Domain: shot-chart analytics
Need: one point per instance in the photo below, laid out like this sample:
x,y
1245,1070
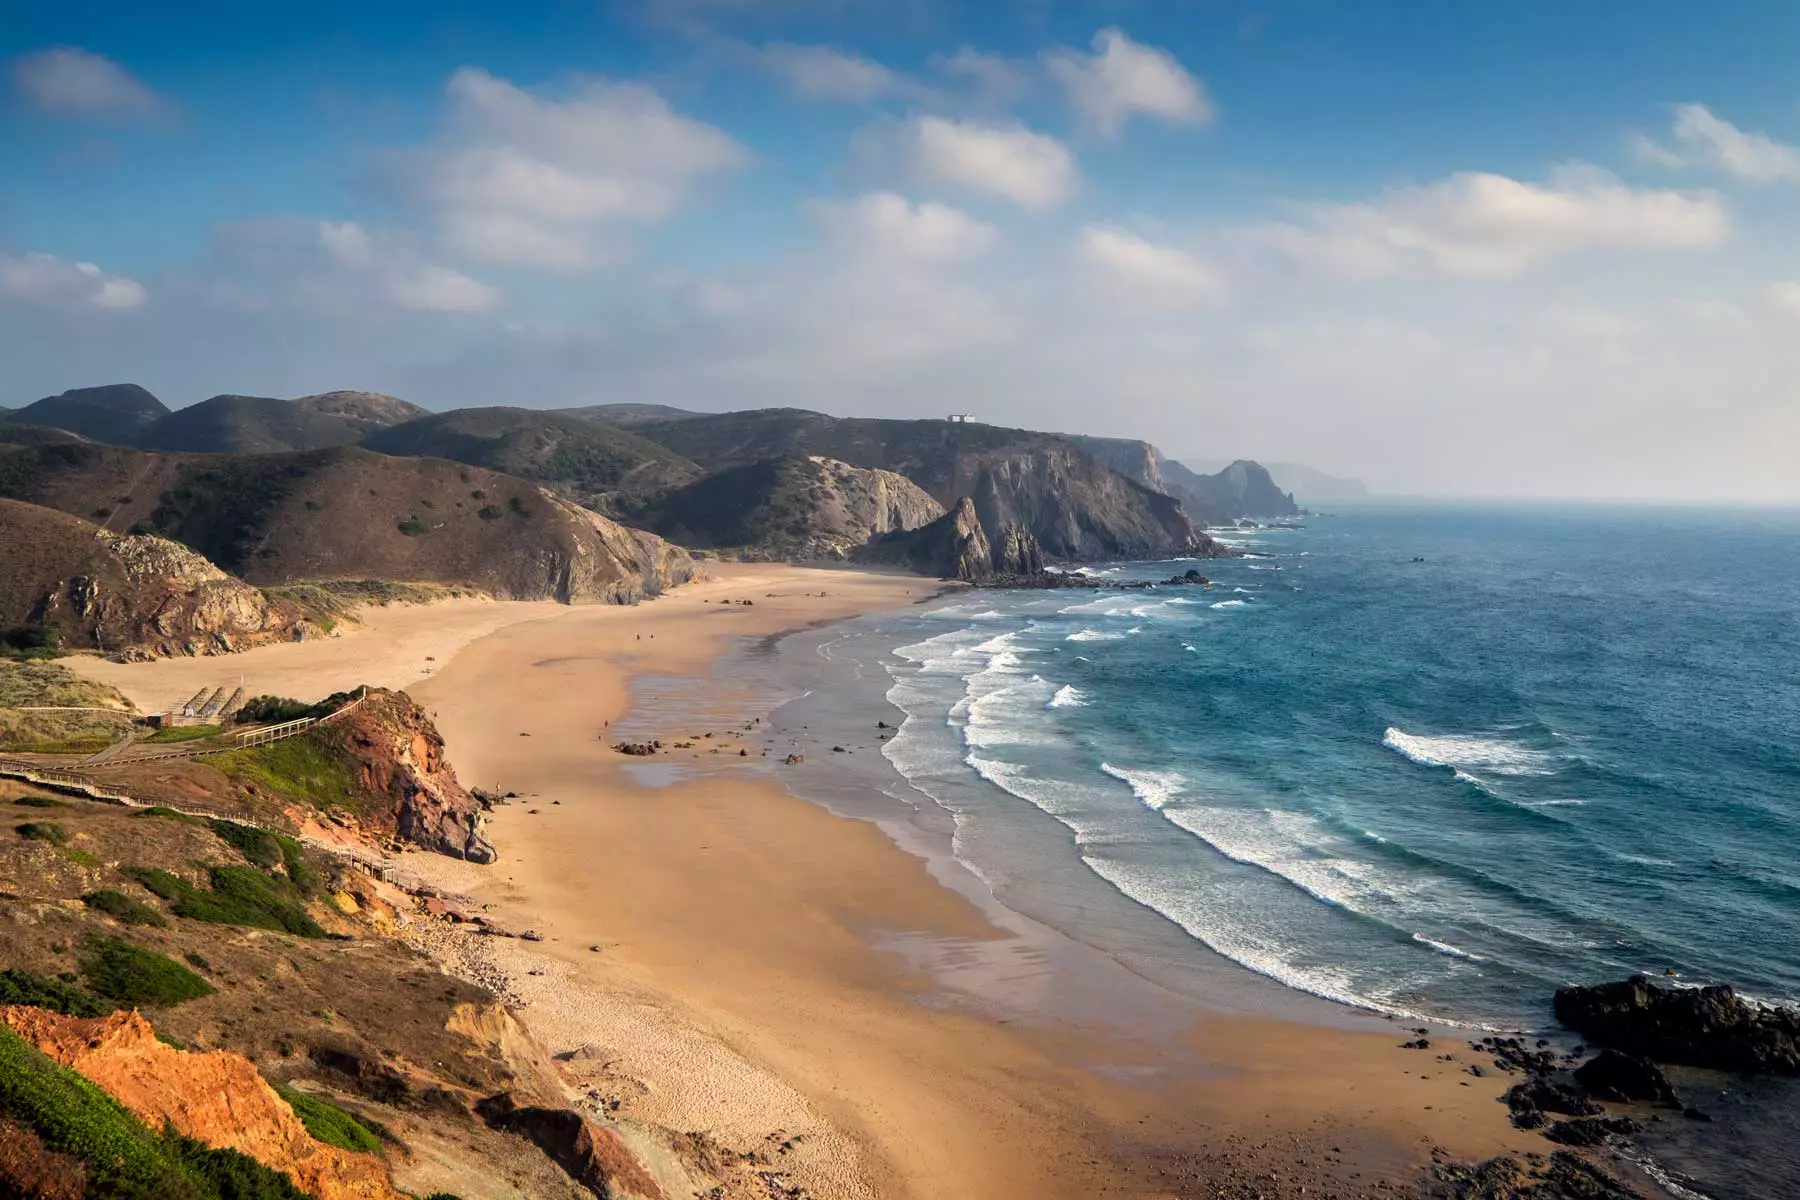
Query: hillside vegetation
x,y
350,514
592,462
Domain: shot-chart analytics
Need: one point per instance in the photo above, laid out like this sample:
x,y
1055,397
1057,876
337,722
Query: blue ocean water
x,y
1563,747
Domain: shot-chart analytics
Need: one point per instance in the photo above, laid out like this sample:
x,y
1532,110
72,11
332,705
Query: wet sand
x,y
749,980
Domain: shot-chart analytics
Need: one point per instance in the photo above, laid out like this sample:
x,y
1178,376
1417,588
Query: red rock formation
x,y
399,754
215,1097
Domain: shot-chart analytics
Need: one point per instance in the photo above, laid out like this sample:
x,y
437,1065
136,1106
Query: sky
x,y
1522,249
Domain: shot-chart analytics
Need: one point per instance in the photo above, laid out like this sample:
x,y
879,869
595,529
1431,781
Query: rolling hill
x,y
264,425
348,513
117,412
593,462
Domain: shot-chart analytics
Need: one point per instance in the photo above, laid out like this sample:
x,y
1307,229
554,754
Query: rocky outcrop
x,y
397,756
1137,461
216,1098
1697,1027
1566,1176
799,507
1625,1079
955,546
140,595
592,1155
1016,552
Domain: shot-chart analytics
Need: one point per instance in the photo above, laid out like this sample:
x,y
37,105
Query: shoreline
x,y
766,964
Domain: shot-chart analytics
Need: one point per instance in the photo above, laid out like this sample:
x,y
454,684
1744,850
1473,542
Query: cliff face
x,y
1074,507
954,546
793,506
138,595
397,756
1137,461
216,1098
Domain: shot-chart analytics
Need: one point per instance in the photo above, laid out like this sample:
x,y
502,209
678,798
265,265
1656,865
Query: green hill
x,y
117,412
262,424
594,462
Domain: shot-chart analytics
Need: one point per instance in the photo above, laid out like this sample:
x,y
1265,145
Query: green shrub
x,y
239,896
413,527
81,858
181,733
126,972
489,512
272,710
19,986
124,908
41,802
257,845
172,814
230,1174
44,831
330,1124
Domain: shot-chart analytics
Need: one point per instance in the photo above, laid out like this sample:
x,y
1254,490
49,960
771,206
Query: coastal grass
x,y
330,1124
241,896
301,768
73,745
43,831
182,733
40,802
267,849
126,909
172,814
19,986
81,858
122,1157
126,972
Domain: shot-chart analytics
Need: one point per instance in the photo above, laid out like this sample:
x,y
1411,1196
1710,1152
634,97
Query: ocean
x,y
1430,762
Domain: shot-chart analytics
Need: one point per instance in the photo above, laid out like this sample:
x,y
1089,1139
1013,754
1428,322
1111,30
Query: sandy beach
x,y
720,956
742,986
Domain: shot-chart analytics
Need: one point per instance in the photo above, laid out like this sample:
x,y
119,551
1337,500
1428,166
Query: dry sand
x,y
740,989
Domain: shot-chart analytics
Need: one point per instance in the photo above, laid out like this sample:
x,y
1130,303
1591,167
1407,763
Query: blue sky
x,y
1529,248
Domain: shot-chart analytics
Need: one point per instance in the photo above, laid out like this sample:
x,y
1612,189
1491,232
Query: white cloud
x,y
1143,274
1653,153
1483,226
400,277
72,82
823,73
338,268
1032,170
1754,157
519,178
1783,297
1122,78
996,80
886,225
49,281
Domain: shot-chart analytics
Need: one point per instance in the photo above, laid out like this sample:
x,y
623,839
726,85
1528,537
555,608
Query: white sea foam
x,y
1232,604
1068,696
1189,648
1154,789
1446,949
1469,751
1095,635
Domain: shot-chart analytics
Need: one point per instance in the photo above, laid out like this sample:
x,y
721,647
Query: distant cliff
x,y
1074,506
792,507
1242,489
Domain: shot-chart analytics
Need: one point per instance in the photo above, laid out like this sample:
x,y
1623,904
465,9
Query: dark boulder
x,y
1591,1131
1566,1176
1699,1027
1625,1079
1529,1101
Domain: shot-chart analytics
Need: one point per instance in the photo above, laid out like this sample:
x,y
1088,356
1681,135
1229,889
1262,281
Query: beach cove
x,y
722,957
